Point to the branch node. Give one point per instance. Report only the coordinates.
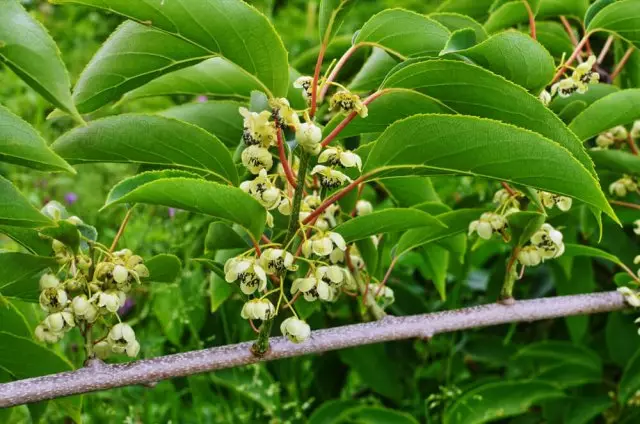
(507, 301)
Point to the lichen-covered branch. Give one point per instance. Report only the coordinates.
(99, 376)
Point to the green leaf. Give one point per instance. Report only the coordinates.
(214, 77)
(509, 14)
(461, 39)
(331, 411)
(435, 262)
(127, 185)
(12, 320)
(630, 382)
(133, 55)
(550, 353)
(412, 191)
(206, 197)
(29, 239)
(571, 250)
(616, 160)
(489, 149)
(167, 306)
(477, 9)
(331, 16)
(621, 18)
(620, 345)
(252, 384)
(377, 415)
(369, 253)
(499, 400)
(471, 90)
(22, 145)
(456, 221)
(18, 267)
(572, 110)
(386, 221)
(512, 54)
(147, 139)
(523, 225)
(15, 209)
(456, 21)
(391, 106)
(219, 118)
(373, 72)
(553, 8)
(403, 33)
(619, 108)
(29, 51)
(65, 232)
(595, 92)
(372, 365)
(228, 28)
(554, 38)
(594, 9)
(23, 358)
(223, 236)
(219, 289)
(164, 268)
(581, 280)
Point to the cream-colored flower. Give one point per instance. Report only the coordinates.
(336, 256)
(632, 297)
(384, 297)
(336, 156)
(263, 190)
(276, 261)
(488, 223)
(347, 102)
(545, 97)
(295, 329)
(261, 309)
(49, 281)
(549, 242)
(623, 186)
(309, 136)
(363, 207)
(256, 158)
(248, 271)
(111, 300)
(333, 275)
(305, 83)
(60, 322)
(84, 309)
(565, 87)
(636, 224)
(322, 244)
(44, 334)
(257, 129)
(529, 256)
(584, 74)
(286, 206)
(329, 177)
(282, 111)
(549, 200)
(605, 140)
(53, 299)
(122, 339)
(635, 130)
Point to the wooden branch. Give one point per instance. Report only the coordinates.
(100, 376)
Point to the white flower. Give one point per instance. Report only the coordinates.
(322, 244)
(312, 200)
(549, 242)
(257, 128)
(488, 223)
(246, 270)
(564, 87)
(636, 223)
(336, 156)
(111, 300)
(630, 296)
(329, 178)
(622, 186)
(75, 220)
(363, 207)
(545, 97)
(53, 299)
(584, 75)
(261, 309)
(295, 329)
(605, 140)
(122, 339)
(619, 133)
(43, 334)
(303, 285)
(529, 256)
(635, 130)
(83, 308)
(549, 200)
(309, 136)
(384, 296)
(263, 190)
(332, 275)
(285, 206)
(347, 102)
(120, 274)
(336, 256)
(276, 261)
(54, 210)
(49, 281)
(60, 322)
(282, 111)
(305, 84)
(256, 158)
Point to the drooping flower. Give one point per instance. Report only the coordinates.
(635, 130)
(261, 309)
(636, 224)
(336, 156)
(44, 334)
(276, 261)
(549, 242)
(549, 200)
(529, 256)
(282, 112)
(256, 158)
(309, 136)
(295, 329)
(545, 97)
(584, 74)
(60, 322)
(384, 296)
(248, 272)
(111, 300)
(257, 129)
(322, 243)
(122, 339)
(263, 190)
(329, 177)
(347, 102)
(305, 84)
(333, 275)
(565, 87)
(84, 309)
(363, 207)
(488, 224)
(623, 186)
(632, 297)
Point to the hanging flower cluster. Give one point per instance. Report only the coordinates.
(579, 81)
(81, 294)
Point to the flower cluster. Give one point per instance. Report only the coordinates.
(546, 243)
(611, 137)
(85, 292)
(623, 186)
(579, 81)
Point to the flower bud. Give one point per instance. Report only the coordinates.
(363, 207)
(43, 334)
(59, 322)
(309, 135)
(261, 309)
(120, 274)
(49, 281)
(295, 329)
(529, 256)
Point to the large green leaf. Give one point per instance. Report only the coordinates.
(18, 267)
(28, 238)
(214, 77)
(588, 251)
(391, 106)
(477, 9)
(369, 363)
(132, 56)
(13, 321)
(22, 145)
(148, 139)
(553, 8)
(329, 412)
(619, 108)
(229, 28)
(376, 415)
(499, 400)
(594, 93)
(386, 221)
(621, 18)
(15, 209)
(206, 197)
(471, 90)
(554, 38)
(514, 55)
(221, 119)
(373, 72)
(331, 16)
(164, 268)
(223, 236)
(456, 221)
(456, 21)
(403, 33)
(523, 225)
(630, 382)
(487, 148)
(29, 51)
(616, 160)
(509, 13)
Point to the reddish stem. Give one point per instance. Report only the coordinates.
(288, 172)
(632, 144)
(387, 275)
(625, 204)
(532, 19)
(350, 117)
(569, 30)
(334, 72)
(331, 200)
(289, 304)
(316, 77)
(266, 239)
(605, 49)
(256, 246)
(254, 327)
(573, 56)
(508, 188)
(622, 62)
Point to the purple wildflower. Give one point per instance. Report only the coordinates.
(71, 198)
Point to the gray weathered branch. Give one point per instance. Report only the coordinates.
(99, 376)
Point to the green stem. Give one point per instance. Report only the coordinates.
(261, 346)
(510, 277)
(88, 342)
